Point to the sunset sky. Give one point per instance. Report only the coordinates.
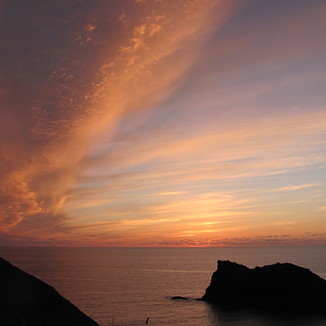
(162, 122)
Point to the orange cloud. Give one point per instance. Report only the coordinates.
(72, 82)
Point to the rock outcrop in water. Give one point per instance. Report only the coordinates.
(178, 297)
(27, 301)
(279, 287)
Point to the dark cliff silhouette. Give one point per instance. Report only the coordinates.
(279, 287)
(27, 301)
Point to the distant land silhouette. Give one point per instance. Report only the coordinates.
(281, 287)
(27, 301)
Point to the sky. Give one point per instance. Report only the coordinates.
(136, 123)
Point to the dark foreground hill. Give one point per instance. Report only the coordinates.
(27, 301)
(279, 287)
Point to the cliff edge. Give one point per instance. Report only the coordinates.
(281, 287)
(26, 300)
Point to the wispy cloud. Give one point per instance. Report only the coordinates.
(79, 74)
(293, 188)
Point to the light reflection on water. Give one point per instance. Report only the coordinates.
(131, 284)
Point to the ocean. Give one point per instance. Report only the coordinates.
(125, 286)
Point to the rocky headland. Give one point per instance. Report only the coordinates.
(282, 287)
(27, 301)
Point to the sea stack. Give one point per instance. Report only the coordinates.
(26, 300)
(282, 287)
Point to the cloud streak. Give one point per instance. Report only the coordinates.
(70, 72)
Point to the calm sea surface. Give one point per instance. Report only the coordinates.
(124, 286)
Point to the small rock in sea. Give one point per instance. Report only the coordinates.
(26, 300)
(281, 287)
(177, 297)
